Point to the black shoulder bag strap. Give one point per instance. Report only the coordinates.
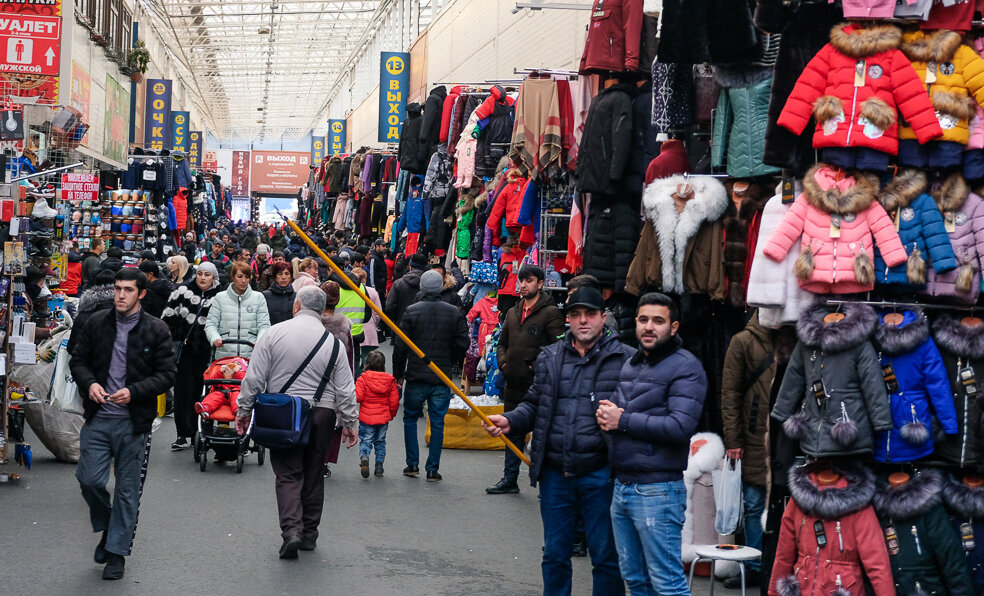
(335, 345)
(304, 364)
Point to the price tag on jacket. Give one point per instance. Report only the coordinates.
(859, 73)
(150, 175)
(931, 72)
(950, 221)
(835, 225)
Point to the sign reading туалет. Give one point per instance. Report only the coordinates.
(80, 187)
(394, 83)
(29, 44)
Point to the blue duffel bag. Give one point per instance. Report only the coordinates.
(283, 421)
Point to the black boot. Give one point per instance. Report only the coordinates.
(379, 470)
(114, 566)
(100, 555)
(504, 487)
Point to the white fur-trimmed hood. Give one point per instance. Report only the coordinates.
(673, 230)
(707, 458)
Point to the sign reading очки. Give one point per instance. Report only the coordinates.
(394, 83)
(157, 122)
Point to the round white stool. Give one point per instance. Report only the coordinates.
(724, 552)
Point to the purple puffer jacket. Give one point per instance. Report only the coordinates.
(963, 215)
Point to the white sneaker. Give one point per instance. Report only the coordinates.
(42, 210)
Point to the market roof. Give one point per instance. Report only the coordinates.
(262, 70)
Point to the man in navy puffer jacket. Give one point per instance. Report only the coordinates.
(650, 422)
(568, 453)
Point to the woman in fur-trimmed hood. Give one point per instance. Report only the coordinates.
(963, 216)
(921, 230)
(922, 391)
(859, 109)
(954, 76)
(841, 416)
(961, 346)
(926, 556)
(838, 223)
(854, 546)
(965, 504)
(681, 252)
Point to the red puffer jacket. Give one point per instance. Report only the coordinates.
(853, 544)
(446, 110)
(508, 202)
(180, 201)
(855, 86)
(378, 397)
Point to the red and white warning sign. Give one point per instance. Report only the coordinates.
(80, 187)
(29, 44)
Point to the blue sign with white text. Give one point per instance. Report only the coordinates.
(394, 84)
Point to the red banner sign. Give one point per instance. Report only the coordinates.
(279, 172)
(240, 174)
(80, 187)
(30, 44)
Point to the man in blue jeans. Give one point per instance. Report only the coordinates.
(440, 331)
(650, 422)
(568, 453)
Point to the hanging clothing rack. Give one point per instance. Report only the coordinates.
(547, 71)
(905, 305)
(484, 83)
(51, 171)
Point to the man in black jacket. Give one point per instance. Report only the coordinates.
(441, 332)
(91, 260)
(122, 360)
(568, 453)
(404, 290)
(158, 289)
(377, 269)
(534, 323)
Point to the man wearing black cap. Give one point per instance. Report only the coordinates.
(534, 323)
(568, 453)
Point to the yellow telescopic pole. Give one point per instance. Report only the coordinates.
(399, 333)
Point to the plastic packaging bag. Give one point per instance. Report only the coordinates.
(63, 387)
(728, 497)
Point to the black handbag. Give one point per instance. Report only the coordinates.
(283, 421)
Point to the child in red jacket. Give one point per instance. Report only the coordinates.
(379, 399)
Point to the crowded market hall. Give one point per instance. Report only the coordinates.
(650, 297)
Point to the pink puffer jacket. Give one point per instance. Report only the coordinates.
(963, 216)
(842, 264)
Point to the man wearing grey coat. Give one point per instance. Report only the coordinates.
(275, 361)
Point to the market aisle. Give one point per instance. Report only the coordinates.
(216, 532)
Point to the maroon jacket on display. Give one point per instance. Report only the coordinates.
(613, 38)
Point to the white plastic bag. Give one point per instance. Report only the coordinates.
(64, 391)
(728, 497)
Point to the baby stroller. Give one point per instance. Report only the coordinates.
(217, 414)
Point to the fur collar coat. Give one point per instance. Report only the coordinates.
(681, 252)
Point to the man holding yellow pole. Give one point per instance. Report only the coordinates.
(568, 453)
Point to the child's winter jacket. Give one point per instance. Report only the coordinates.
(508, 202)
(920, 228)
(922, 392)
(833, 398)
(180, 202)
(415, 218)
(854, 547)
(926, 554)
(486, 311)
(963, 218)
(837, 222)
(772, 287)
(378, 397)
(465, 212)
(962, 347)
(954, 75)
(965, 505)
(854, 87)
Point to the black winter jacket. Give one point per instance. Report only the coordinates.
(607, 141)
(158, 291)
(439, 330)
(402, 294)
(645, 147)
(280, 303)
(962, 346)
(377, 273)
(610, 241)
(583, 442)
(430, 127)
(150, 368)
(663, 397)
(411, 158)
(522, 340)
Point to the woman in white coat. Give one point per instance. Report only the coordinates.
(238, 313)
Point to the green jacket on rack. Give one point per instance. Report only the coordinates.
(740, 121)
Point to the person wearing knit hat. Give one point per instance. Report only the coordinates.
(260, 263)
(441, 332)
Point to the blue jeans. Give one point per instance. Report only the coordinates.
(562, 500)
(438, 399)
(754, 506)
(372, 435)
(648, 524)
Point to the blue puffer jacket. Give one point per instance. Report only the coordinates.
(584, 446)
(663, 396)
(416, 214)
(920, 228)
(922, 385)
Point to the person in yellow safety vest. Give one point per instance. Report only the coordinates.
(356, 310)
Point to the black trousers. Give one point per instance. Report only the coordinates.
(300, 478)
(188, 390)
